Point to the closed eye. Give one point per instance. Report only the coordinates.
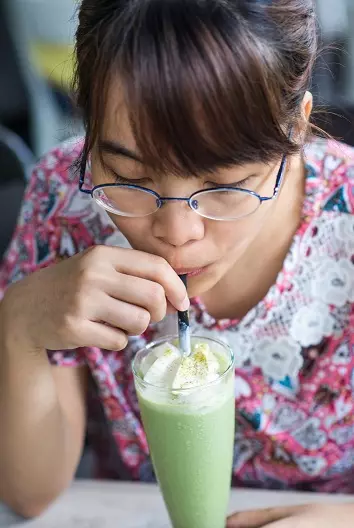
(128, 181)
(240, 184)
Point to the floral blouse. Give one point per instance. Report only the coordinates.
(294, 388)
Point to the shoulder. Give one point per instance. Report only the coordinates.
(330, 175)
(54, 203)
(59, 164)
(62, 157)
(54, 181)
(326, 241)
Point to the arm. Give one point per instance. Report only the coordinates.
(96, 298)
(42, 416)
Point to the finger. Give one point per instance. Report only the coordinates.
(156, 269)
(261, 518)
(170, 309)
(132, 319)
(140, 292)
(105, 337)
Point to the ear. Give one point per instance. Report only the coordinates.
(306, 106)
(303, 122)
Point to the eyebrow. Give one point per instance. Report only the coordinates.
(112, 147)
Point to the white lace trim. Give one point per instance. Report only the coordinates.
(321, 276)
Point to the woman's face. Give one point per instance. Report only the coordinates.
(206, 249)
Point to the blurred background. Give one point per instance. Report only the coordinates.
(36, 65)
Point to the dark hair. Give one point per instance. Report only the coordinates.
(207, 83)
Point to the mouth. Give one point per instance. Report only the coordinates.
(191, 272)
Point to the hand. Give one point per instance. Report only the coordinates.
(306, 516)
(96, 298)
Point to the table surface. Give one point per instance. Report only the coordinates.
(89, 504)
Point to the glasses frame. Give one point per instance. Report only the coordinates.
(161, 200)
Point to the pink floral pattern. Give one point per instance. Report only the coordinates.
(294, 388)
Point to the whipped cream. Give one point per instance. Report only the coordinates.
(165, 367)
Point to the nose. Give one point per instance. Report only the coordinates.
(176, 224)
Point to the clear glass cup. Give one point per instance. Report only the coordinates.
(190, 433)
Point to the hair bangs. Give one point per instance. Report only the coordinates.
(201, 98)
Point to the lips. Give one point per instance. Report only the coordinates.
(191, 272)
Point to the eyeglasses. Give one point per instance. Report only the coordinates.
(219, 203)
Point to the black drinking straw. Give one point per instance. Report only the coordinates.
(184, 332)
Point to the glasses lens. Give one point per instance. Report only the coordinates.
(126, 201)
(229, 204)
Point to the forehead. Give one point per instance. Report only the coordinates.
(116, 124)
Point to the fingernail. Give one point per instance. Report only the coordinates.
(185, 304)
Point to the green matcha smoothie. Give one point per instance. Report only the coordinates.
(188, 411)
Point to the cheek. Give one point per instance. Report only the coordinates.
(135, 230)
(230, 235)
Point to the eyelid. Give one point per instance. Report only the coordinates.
(244, 182)
(126, 181)
(240, 183)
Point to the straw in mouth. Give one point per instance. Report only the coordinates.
(184, 331)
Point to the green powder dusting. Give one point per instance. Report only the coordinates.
(200, 357)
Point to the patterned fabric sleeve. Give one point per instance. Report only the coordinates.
(37, 236)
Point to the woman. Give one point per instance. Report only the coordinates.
(185, 97)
